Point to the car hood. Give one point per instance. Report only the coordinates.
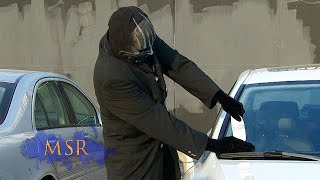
(214, 169)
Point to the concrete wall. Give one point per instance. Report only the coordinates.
(224, 37)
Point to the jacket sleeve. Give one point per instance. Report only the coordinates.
(186, 73)
(129, 102)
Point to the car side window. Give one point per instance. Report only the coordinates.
(49, 110)
(41, 119)
(85, 113)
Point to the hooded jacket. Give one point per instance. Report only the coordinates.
(135, 119)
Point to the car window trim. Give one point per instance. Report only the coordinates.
(57, 126)
(97, 111)
(67, 104)
(56, 88)
(283, 83)
(39, 83)
(66, 98)
(83, 100)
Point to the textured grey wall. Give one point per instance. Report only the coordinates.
(224, 37)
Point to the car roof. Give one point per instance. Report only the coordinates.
(282, 74)
(12, 75)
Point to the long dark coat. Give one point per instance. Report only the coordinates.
(135, 120)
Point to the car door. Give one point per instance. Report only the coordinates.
(87, 120)
(54, 128)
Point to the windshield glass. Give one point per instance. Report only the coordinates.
(6, 92)
(282, 116)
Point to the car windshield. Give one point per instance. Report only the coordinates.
(282, 116)
(6, 92)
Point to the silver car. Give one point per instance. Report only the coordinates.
(48, 128)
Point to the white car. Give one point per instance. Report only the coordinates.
(282, 120)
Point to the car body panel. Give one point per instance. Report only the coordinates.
(280, 74)
(214, 169)
(10, 76)
(12, 160)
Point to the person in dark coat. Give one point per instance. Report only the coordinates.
(130, 89)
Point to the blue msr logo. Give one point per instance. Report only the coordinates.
(69, 145)
(53, 148)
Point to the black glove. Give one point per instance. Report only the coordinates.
(230, 105)
(228, 145)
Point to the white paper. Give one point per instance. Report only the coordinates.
(238, 129)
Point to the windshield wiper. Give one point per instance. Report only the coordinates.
(268, 155)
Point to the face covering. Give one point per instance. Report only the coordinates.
(131, 34)
(140, 42)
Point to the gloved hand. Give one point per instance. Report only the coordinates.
(228, 145)
(230, 105)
